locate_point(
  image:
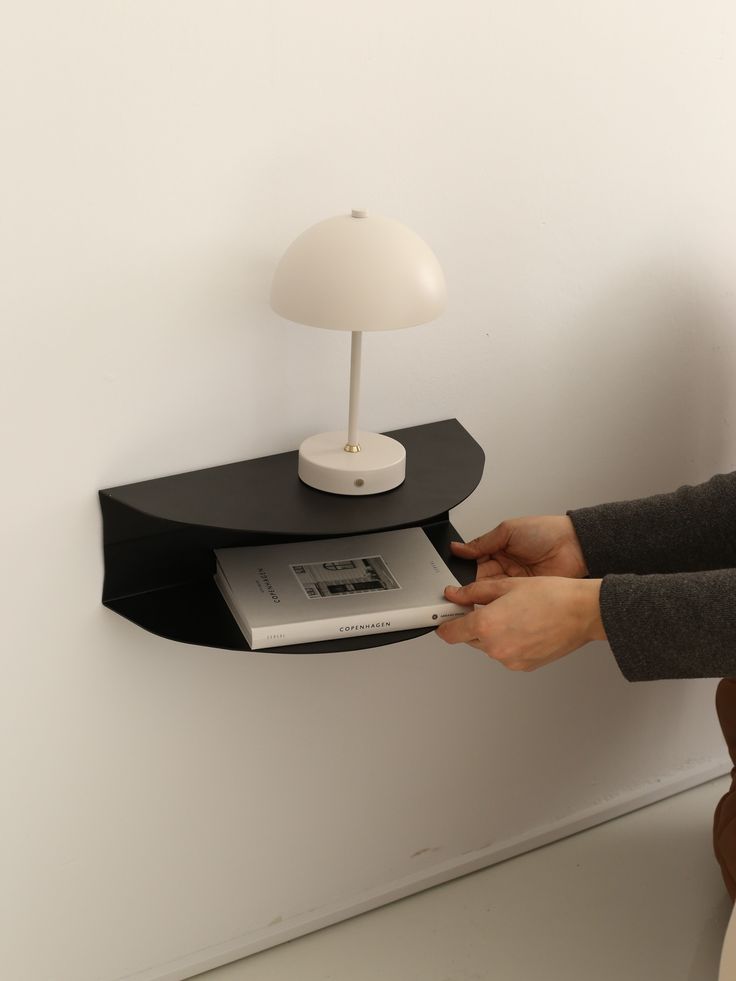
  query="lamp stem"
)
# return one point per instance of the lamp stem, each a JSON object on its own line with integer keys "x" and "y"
{"x": 352, "y": 445}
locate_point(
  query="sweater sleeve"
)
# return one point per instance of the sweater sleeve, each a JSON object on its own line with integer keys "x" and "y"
{"x": 690, "y": 529}
{"x": 681, "y": 625}
{"x": 668, "y": 595}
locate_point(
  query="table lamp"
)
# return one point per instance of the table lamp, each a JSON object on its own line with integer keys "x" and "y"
{"x": 357, "y": 272}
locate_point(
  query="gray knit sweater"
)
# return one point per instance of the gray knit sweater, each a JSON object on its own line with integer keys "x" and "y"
{"x": 668, "y": 564}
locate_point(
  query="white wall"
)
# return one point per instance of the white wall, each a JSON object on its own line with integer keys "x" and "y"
{"x": 167, "y": 807}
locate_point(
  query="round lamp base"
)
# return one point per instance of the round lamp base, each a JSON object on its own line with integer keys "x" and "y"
{"x": 326, "y": 465}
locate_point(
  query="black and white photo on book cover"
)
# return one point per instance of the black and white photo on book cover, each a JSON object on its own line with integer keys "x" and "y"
{"x": 328, "y": 580}
{"x": 331, "y": 588}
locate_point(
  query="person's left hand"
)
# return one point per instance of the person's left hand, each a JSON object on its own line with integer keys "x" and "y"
{"x": 526, "y": 623}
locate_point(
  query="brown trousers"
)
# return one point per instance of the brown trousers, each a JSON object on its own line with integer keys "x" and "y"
{"x": 724, "y": 819}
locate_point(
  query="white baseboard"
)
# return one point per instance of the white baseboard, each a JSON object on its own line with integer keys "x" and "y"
{"x": 210, "y": 957}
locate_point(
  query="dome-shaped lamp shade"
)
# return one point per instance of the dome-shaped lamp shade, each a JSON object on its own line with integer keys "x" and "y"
{"x": 359, "y": 272}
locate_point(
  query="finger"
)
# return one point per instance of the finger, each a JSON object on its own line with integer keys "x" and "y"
{"x": 454, "y": 595}
{"x": 482, "y": 591}
{"x": 485, "y": 545}
{"x": 460, "y": 630}
{"x": 465, "y": 551}
{"x": 488, "y": 568}
{"x": 482, "y": 646}
{"x": 503, "y": 564}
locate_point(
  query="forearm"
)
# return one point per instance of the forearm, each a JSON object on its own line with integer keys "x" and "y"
{"x": 690, "y": 529}
{"x": 671, "y": 626}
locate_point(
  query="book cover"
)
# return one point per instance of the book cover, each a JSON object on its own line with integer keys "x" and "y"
{"x": 300, "y": 592}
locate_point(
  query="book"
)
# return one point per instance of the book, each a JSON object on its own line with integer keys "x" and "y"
{"x": 301, "y": 592}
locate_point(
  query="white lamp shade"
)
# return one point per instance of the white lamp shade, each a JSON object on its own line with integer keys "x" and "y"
{"x": 359, "y": 272}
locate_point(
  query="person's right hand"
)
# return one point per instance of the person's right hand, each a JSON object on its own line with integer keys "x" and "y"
{"x": 544, "y": 545}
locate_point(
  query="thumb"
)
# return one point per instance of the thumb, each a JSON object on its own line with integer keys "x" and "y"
{"x": 493, "y": 541}
{"x": 481, "y": 592}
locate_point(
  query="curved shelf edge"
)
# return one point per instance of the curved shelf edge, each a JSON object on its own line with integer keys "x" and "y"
{"x": 265, "y": 497}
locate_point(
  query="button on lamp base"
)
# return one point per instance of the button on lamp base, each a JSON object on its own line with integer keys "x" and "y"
{"x": 379, "y": 466}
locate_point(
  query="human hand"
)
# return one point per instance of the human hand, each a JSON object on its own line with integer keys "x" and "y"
{"x": 543, "y": 545}
{"x": 525, "y": 623}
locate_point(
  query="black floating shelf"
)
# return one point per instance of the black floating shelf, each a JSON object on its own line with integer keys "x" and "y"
{"x": 159, "y": 535}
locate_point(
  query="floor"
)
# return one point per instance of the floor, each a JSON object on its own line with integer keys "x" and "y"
{"x": 636, "y": 899}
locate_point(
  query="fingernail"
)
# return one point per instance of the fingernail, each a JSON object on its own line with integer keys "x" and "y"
{"x": 453, "y": 588}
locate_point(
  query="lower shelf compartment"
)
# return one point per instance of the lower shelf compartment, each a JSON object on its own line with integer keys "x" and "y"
{"x": 195, "y": 612}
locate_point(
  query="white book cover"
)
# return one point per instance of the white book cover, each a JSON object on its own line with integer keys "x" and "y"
{"x": 301, "y": 592}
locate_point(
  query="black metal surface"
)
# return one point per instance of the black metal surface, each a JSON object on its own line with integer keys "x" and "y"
{"x": 196, "y": 613}
{"x": 443, "y": 466}
{"x": 159, "y": 535}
